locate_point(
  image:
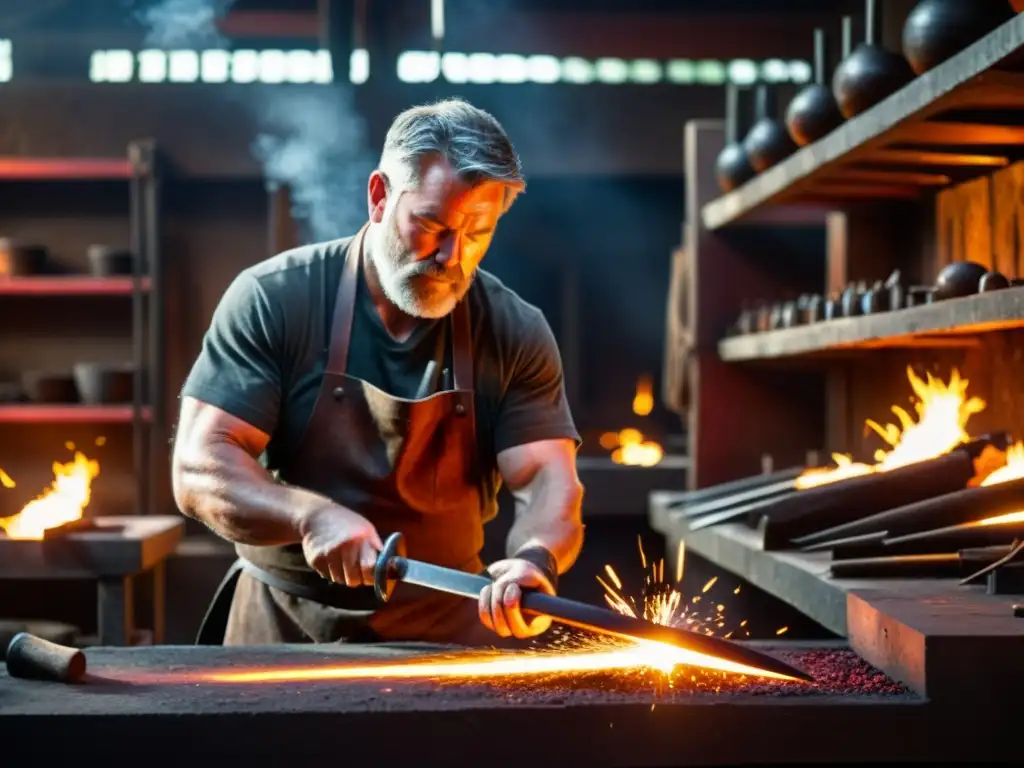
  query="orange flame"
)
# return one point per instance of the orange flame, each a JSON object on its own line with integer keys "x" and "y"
{"x": 629, "y": 446}
{"x": 942, "y": 414}
{"x": 643, "y": 400}
{"x": 1012, "y": 469}
{"x": 64, "y": 502}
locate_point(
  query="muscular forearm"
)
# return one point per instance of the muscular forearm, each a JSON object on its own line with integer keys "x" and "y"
{"x": 548, "y": 515}
{"x": 222, "y": 486}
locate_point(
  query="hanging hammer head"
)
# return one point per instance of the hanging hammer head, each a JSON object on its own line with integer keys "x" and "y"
{"x": 386, "y": 573}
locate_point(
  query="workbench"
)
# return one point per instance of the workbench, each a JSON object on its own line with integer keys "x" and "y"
{"x": 146, "y": 700}
{"x": 943, "y": 640}
{"x": 113, "y": 553}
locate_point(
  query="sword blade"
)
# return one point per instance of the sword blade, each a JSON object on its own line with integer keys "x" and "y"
{"x": 595, "y": 619}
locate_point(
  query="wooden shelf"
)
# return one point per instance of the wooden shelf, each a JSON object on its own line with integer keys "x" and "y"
{"x": 921, "y": 138}
{"x": 64, "y": 169}
{"x": 70, "y": 285}
{"x": 944, "y": 322}
{"x": 40, "y": 413}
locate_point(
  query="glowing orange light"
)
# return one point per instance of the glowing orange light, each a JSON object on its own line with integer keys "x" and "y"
{"x": 942, "y": 414}
{"x": 64, "y": 502}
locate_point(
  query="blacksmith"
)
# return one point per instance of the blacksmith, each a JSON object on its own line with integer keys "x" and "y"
{"x": 377, "y": 383}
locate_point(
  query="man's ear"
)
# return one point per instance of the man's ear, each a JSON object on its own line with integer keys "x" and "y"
{"x": 377, "y": 196}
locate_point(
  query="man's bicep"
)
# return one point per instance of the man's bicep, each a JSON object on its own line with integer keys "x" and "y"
{"x": 523, "y": 465}
{"x": 534, "y": 406}
{"x": 202, "y": 424}
{"x": 239, "y": 369}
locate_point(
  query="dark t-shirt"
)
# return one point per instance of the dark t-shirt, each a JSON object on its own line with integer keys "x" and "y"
{"x": 264, "y": 355}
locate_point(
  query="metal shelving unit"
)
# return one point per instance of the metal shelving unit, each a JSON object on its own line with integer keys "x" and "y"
{"x": 145, "y": 287}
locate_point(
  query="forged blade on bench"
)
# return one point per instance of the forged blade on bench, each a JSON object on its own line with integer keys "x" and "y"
{"x": 593, "y": 618}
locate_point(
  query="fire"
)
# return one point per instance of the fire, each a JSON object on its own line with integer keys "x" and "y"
{"x": 1012, "y": 469}
{"x": 643, "y": 400}
{"x": 64, "y": 502}
{"x": 629, "y": 446}
{"x": 662, "y": 604}
{"x": 942, "y": 413}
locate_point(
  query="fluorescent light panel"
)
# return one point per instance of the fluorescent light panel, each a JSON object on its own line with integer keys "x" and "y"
{"x": 305, "y": 66}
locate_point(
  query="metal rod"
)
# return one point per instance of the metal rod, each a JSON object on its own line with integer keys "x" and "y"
{"x": 732, "y": 113}
{"x": 733, "y": 486}
{"x": 847, "y": 41}
{"x": 820, "y": 56}
{"x": 962, "y": 536}
{"x": 138, "y": 246}
{"x": 948, "y": 509}
{"x": 734, "y": 500}
{"x": 157, "y": 379}
{"x": 872, "y": 23}
{"x": 920, "y": 566}
{"x": 828, "y": 506}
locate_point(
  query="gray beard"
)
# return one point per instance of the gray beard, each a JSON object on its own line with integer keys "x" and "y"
{"x": 403, "y": 283}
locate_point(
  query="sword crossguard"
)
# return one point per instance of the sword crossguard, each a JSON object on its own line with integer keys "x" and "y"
{"x": 384, "y": 574}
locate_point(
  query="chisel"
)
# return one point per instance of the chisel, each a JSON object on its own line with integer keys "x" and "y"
{"x": 393, "y": 566}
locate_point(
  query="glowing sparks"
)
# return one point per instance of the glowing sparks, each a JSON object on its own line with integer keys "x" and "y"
{"x": 64, "y": 502}
{"x": 942, "y": 413}
{"x": 661, "y": 603}
{"x": 781, "y": 630}
{"x": 709, "y": 585}
{"x": 5, "y": 480}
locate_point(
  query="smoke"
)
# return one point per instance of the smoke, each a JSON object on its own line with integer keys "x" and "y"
{"x": 310, "y": 138}
{"x": 314, "y": 141}
{"x": 183, "y": 23}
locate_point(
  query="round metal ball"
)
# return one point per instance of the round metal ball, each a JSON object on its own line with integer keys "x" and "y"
{"x": 768, "y": 143}
{"x": 812, "y": 115}
{"x": 993, "y": 281}
{"x": 867, "y": 76}
{"x": 937, "y": 29}
{"x": 961, "y": 278}
{"x": 732, "y": 168}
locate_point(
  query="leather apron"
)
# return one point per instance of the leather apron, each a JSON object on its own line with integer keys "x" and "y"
{"x": 405, "y": 465}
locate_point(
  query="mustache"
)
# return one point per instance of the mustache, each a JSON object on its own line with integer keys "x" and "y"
{"x": 428, "y": 268}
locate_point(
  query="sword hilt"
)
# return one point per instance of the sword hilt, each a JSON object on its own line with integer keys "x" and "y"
{"x": 387, "y": 572}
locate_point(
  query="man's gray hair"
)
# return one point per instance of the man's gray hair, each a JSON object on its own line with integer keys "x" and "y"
{"x": 471, "y": 139}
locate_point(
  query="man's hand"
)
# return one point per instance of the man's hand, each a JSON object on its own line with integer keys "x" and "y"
{"x": 499, "y": 602}
{"x": 340, "y": 545}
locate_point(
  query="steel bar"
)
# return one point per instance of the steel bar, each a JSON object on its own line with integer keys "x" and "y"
{"x": 949, "y": 509}
{"x": 956, "y": 537}
{"x": 772, "y": 490}
{"x": 751, "y": 482}
{"x": 941, "y": 565}
{"x": 735, "y": 486}
{"x": 847, "y": 543}
{"x": 749, "y": 512}
{"x": 392, "y": 566}
{"x": 847, "y": 500}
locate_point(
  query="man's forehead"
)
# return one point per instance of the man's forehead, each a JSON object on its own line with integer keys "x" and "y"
{"x": 441, "y": 187}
